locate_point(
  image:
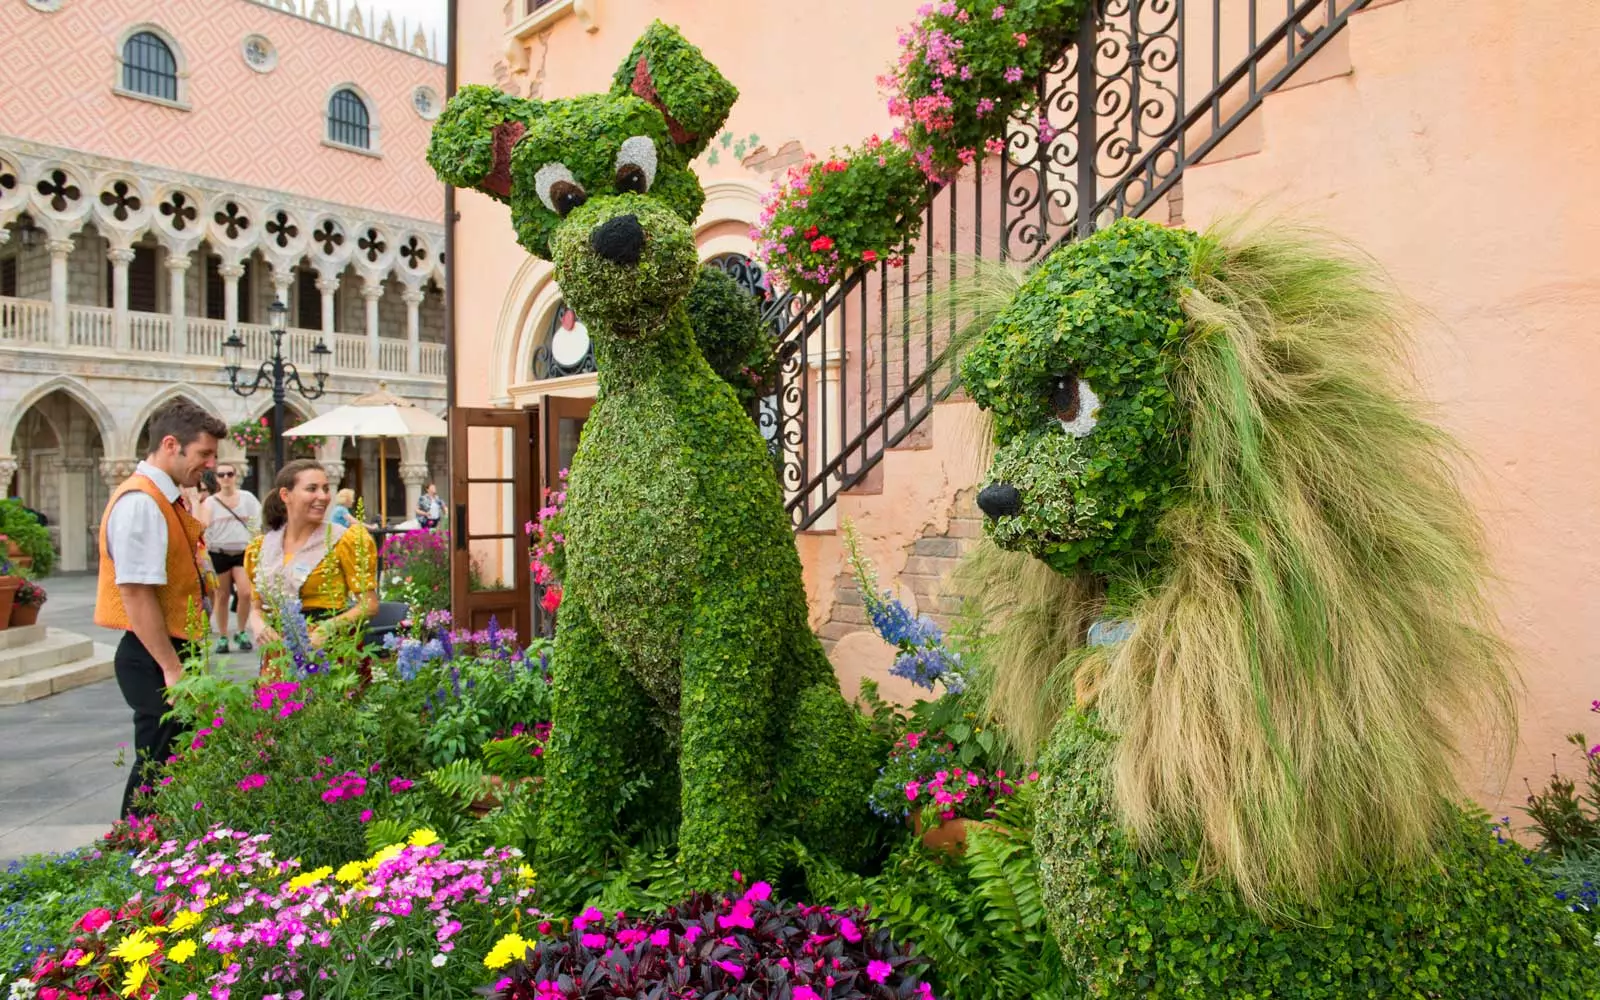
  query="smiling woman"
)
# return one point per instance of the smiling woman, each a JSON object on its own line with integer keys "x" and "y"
{"x": 306, "y": 566}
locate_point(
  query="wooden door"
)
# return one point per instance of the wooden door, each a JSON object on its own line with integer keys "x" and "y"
{"x": 561, "y": 420}
{"x": 493, "y": 485}
{"x": 563, "y": 424}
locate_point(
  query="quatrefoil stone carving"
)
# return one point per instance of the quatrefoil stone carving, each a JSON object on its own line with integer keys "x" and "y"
{"x": 372, "y": 244}
{"x": 413, "y": 253}
{"x": 179, "y": 207}
{"x": 329, "y": 236}
{"x": 58, "y": 187}
{"x": 282, "y": 229}
{"x": 233, "y": 220}
{"x": 119, "y": 197}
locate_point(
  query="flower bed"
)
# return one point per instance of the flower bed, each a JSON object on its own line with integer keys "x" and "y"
{"x": 415, "y": 569}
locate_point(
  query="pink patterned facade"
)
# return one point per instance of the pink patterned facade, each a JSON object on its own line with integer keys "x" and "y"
{"x": 260, "y": 129}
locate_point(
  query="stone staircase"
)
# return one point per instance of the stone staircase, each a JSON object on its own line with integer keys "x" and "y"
{"x": 37, "y": 661}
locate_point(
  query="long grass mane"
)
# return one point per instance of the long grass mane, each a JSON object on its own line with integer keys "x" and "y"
{"x": 1300, "y": 675}
{"x": 1306, "y": 661}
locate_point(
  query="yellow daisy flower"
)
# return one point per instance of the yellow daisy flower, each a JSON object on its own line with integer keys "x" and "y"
{"x": 308, "y": 879}
{"x": 507, "y": 950}
{"x": 182, "y": 951}
{"x": 136, "y": 947}
{"x": 423, "y": 838}
{"x": 137, "y": 974}
{"x": 184, "y": 920}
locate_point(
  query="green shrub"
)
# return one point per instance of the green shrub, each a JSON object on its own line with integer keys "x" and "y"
{"x": 728, "y": 327}
{"x": 31, "y": 537}
{"x": 977, "y": 917}
{"x": 1476, "y": 923}
{"x": 41, "y": 897}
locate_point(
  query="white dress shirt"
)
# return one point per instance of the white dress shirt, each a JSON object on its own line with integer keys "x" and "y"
{"x": 136, "y": 531}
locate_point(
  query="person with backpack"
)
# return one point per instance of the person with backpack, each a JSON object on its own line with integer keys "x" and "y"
{"x": 233, "y": 519}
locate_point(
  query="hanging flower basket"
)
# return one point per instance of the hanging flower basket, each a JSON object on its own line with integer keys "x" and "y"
{"x": 251, "y": 435}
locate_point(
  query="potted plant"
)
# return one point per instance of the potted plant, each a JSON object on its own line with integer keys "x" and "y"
{"x": 32, "y": 540}
{"x": 25, "y": 605}
{"x": 8, "y": 591}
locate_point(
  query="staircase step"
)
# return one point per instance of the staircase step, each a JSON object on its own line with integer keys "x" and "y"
{"x": 22, "y": 635}
{"x": 93, "y": 667}
{"x": 52, "y": 648}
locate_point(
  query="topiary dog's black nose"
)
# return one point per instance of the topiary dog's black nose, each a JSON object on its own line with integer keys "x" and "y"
{"x": 619, "y": 240}
{"x": 1000, "y": 500}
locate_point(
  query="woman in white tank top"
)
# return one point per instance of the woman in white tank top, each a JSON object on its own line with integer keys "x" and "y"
{"x": 232, "y": 518}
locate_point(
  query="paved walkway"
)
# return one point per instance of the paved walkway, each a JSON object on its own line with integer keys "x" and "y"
{"x": 60, "y": 777}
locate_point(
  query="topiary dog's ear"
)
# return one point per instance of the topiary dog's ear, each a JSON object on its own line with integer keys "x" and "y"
{"x": 473, "y": 138}
{"x": 673, "y": 75}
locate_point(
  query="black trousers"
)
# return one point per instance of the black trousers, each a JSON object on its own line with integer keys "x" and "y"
{"x": 145, "y": 691}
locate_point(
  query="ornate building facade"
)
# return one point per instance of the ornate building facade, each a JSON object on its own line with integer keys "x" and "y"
{"x": 165, "y": 175}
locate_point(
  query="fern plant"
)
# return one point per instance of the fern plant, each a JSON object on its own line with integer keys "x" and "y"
{"x": 979, "y": 918}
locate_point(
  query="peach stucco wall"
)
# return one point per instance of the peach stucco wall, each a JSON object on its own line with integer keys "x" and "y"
{"x": 265, "y": 130}
{"x": 1452, "y": 151}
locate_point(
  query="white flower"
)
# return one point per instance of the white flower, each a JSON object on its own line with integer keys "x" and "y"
{"x": 440, "y": 959}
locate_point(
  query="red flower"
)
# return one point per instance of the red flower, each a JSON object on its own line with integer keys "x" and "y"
{"x": 811, "y": 233}
{"x": 868, "y": 256}
{"x": 822, "y": 243}
{"x": 551, "y": 600}
{"x": 835, "y": 166}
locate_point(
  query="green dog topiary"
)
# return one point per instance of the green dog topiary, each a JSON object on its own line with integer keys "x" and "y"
{"x": 687, "y": 662}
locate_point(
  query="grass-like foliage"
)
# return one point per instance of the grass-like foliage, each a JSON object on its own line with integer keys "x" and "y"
{"x": 1320, "y": 632}
{"x": 1027, "y": 624}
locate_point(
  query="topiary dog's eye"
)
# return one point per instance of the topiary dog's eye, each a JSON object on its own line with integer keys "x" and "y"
{"x": 1074, "y": 405}
{"x": 557, "y": 188}
{"x": 636, "y": 164}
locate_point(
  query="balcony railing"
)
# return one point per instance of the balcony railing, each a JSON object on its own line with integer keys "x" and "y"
{"x": 29, "y": 322}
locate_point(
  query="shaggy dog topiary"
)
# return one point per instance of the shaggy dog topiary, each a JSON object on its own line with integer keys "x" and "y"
{"x": 1210, "y": 432}
{"x": 687, "y": 675}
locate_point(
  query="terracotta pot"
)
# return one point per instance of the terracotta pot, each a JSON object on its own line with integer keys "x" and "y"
{"x": 8, "y": 595}
{"x": 24, "y": 614}
{"x": 15, "y": 556}
{"x": 948, "y": 837}
{"x": 489, "y": 801}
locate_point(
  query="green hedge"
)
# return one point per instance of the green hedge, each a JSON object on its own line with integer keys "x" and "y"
{"x": 31, "y": 537}
{"x": 1478, "y": 923}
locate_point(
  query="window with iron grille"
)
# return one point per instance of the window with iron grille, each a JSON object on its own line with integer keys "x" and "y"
{"x": 348, "y": 121}
{"x": 8, "y": 277}
{"x": 148, "y": 67}
{"x": 142, "y": 281}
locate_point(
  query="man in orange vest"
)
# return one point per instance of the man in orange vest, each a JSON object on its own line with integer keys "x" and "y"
{"x": 153, "y": 576}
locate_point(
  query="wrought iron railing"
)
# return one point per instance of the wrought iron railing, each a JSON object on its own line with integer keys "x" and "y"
{"x": 863, "y": 366}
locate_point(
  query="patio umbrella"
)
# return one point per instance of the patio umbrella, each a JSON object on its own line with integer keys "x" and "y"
{"x": 379, "y": 414}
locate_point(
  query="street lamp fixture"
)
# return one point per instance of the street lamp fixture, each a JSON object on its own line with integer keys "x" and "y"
{"x": 277, "y": 372}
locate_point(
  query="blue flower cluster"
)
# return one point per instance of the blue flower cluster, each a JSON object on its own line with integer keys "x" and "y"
{"x": 297, "y": 638}
{"x": 923, "y": 658}
{"x": 411, "y": 655}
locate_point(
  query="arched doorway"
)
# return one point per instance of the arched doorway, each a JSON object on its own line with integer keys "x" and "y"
{"x": 58, "y": 445}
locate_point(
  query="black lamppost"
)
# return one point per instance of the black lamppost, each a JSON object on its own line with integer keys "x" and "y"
{"x": 276, "y": 372}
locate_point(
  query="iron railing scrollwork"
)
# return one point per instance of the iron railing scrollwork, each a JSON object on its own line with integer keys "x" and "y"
{"x": 1147, "y": 89}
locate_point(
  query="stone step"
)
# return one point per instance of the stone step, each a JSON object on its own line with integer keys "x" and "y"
{"x": 52, "y": 648}
{"x": 92, "y": 667}
{"x": 22, "y": 635}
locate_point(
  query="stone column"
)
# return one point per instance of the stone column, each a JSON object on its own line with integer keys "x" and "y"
{"x": 413, "y": 299}
{"x": 177, "y": 307}
{"x": 413, "y": 470}
{"x": 114, "y": 470}
{"x": 73, "y": 486}
{"x": 120, "y": 257}
{"x": 327, "y": 286}
{"x": 60, "y": 250}
{"x": 231, "y": 273}
{"x": 372, "y": 291}
{"x": 330, "y": 452}
{"x": 8, "y": 469}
